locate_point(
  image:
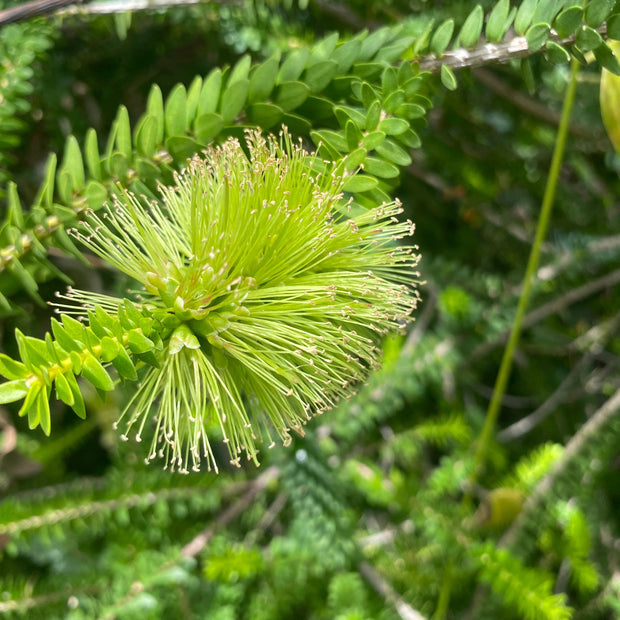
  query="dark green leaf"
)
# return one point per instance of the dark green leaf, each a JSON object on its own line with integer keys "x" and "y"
{"x": 353, "y": 135}
{"x": 373, "y": 116}
{"x": 613, "y": 27}
{"x": 607, "y": 59}
{"x": 537, "y": 36}
{"x": 556, "y": 53}
{"x": 597, "y": 12}
{"x": 567, "y": 22}
{"x": 546, "y": 11}
{"x": 588, "y": 39}
{"x": 346, "y": 54}
{"x": 182, "y": 148}
{"x": 319, "y": 75}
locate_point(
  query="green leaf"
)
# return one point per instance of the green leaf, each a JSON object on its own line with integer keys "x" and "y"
{"x": 94, "y": 372}
{"x": 123, "y": 133}
{"x": 410, "y": 139}
{"x": 12, "y": 369}
{"x": 380, "y": 168}
{"x": 546, "y": 10}
{"x": 373, "y": 42}
{"x": 182, "y": 148}
{"x": 73, "y": 164}
{"x": 393, "y": 101}
{"x": 210, "y": 93}
{"x": 323, "y": 49}
{"x": 597, "y": 11}
{"x": 392, "y": 126}
{"x": 176, "y": 111}
{"x": 63, "y": 390}
{"x": 373, "y": 116}
{"x": 290, "y": 95}
{"x": 12, "y": 391}
{"x": 109, "y": 348}
{"x": 30, "y": 399}
{"x": 556, "y": 53}
{"x": 396, "y": 51}
{"x": 233, "y": 100}
{"x": 193, "y": 96}
{"x": 138, "y": 342}
{"x": 537, "y": 36}
{"x": 74, "y": 329}
{"x": 45, "y": 195}
{"x": 333, "y": 139}
{"x": 293, "y": 66}
{"x": 241, "y": 70}
{"x": 613, "y": 27}
{"x": 15, "y": 213}
{"x": 470, "y": 32}
{"x": 373, "y": 139}
{"x": 346, "y": 54}
{"x": 353, "y": 135}
{"x": 567, "y": 22}
{"x": 390, "y": 151}
{"x": 146, "y": 136}
{"x": 588, "y": 39}
{"x": 498, "y": 22}
{"x": 78, "y": 400}
{"x": 155, "y": 108}
{"x": 96, "y": 194}
{"x": 442, "y": 36}
{"x": 355, "y": 158}
{"x": 92, "y": 156}
{"x": 208, "y": 126}
{"x": 42, "y": 408}
{"x": 124, "y": 366}
{"x": 319, "y": 75}
{"x": 264, "y": 115}
{"x": 609, "y": 61}
{"x": 448, "y": 79}
{"x": 359, "y": 183}
{"x": 263, "y": 79}
{"x": 525, "y": 15}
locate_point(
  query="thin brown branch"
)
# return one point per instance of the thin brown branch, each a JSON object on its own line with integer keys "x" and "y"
{"x": 36, "y": 8}
{"x": 196, "y": 545}
{"x": 385, "y": 589}
{"x": 553, "y": 307}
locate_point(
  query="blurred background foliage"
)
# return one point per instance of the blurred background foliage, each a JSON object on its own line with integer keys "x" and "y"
{"x": 370, "y": 515}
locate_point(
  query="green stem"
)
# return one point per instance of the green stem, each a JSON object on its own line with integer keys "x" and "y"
{"x": 528, "y": 280}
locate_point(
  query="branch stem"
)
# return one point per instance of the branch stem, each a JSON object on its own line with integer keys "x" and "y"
{"x": 528, "y": 280}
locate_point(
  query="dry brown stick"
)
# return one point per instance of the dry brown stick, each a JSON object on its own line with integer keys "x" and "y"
{"x": 195, "y": 546}
{"x": 553, "y": 307}
{"x": 404, "y": 610}
{"x": 27, "y": 10}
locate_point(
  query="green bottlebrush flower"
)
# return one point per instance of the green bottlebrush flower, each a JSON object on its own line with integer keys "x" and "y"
{"x": 275, "y": 297}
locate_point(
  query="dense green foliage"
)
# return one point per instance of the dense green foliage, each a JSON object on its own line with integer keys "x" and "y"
{"x": 401, "y": 500}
